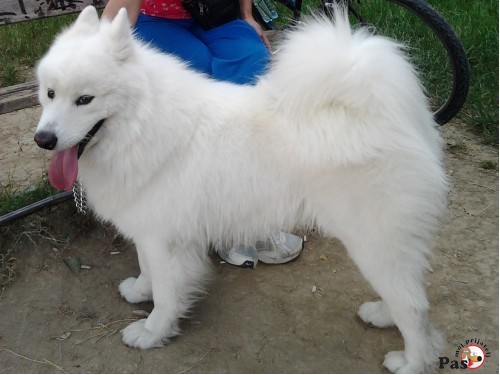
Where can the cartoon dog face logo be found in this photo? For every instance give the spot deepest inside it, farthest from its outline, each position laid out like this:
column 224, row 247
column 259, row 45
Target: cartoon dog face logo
column 474, row 355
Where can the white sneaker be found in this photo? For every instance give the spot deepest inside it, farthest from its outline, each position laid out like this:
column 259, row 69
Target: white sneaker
column 280, row 248
column 240, row 255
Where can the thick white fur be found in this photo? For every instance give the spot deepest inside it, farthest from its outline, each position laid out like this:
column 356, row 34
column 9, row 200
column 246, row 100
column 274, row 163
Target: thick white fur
column 337, row 135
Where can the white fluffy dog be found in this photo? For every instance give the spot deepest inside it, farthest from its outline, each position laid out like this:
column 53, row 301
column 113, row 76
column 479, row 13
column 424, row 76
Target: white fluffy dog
column 337, row 134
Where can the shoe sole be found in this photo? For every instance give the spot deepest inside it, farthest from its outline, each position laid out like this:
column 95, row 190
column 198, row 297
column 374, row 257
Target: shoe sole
column 267, row 260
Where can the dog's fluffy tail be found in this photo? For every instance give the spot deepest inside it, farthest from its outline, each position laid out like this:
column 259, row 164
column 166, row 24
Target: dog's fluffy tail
column 350, row 83
column 328, row 63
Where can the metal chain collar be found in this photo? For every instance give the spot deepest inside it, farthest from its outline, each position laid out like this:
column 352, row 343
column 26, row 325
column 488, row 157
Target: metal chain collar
column 80, row 198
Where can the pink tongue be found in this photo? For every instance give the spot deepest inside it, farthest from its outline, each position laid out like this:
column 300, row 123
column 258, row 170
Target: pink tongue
column 63, row 168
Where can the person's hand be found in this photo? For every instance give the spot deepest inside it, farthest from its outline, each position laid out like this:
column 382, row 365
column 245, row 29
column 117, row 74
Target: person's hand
column 259, row 30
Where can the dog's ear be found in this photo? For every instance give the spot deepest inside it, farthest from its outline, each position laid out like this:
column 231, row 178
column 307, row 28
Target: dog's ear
column 86, row 24
column 120, row 36
column 87, row 21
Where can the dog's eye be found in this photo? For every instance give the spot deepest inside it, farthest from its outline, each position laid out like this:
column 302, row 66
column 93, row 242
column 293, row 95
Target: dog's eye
column 51, row 94
column 84, row 100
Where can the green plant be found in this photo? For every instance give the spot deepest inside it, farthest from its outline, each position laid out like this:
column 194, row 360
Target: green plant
column 476, row 23
column 489, row 164
column 23, row 44
column 13, row 198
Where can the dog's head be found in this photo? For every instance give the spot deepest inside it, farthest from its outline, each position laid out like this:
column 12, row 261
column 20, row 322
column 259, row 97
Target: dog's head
column 79, row 88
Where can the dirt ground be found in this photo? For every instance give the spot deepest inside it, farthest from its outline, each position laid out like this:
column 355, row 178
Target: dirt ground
column 266, row 320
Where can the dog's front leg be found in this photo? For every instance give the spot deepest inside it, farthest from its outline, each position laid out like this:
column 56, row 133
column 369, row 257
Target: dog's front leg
column 139, row 289
column 177, row 273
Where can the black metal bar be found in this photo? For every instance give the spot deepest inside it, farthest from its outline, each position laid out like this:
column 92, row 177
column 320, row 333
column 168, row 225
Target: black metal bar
column 34, row 207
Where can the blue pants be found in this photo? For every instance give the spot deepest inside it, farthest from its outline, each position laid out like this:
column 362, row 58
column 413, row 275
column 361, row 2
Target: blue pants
column 231, row 52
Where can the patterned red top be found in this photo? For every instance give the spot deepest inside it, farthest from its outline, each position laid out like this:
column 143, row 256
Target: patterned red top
column 164, row 8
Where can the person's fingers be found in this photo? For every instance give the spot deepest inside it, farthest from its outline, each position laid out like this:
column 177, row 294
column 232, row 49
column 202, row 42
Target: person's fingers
column 259, row 31
column 266, row 41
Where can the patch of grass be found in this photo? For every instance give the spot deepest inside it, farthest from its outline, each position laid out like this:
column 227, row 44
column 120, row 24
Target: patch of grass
column 12, row 198
column 459, row 147
column 489, row 164
column 31, row 229
column 7, row 267
column 23, row 44
column 476, row 23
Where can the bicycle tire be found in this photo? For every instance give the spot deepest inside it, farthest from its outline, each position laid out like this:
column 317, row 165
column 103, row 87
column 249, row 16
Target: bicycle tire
column 457, row 56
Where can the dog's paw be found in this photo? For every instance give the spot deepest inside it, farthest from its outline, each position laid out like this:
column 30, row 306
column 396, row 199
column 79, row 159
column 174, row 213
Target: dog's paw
column 133, row 292
column 396, row 363
column 136, row 335
column 376, row 313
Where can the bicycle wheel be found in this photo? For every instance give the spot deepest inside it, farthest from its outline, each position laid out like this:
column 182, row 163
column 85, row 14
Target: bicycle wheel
column 432, row 44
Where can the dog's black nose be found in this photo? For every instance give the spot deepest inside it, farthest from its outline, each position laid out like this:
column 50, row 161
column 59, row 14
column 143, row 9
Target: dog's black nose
column 479, row 358
column 47, row 140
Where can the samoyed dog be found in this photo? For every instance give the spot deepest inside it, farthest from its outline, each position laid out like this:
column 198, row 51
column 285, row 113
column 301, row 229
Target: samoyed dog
column 336, row 135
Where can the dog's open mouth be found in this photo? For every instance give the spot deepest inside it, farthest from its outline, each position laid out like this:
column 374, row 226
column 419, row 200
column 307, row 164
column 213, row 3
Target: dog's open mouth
column 63, row 168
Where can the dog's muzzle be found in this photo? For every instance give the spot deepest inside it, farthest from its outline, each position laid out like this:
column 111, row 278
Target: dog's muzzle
column 48, row 140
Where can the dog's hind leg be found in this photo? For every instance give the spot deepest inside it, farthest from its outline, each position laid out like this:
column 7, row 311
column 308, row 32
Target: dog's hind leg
column 177, row 276
column 394, row 263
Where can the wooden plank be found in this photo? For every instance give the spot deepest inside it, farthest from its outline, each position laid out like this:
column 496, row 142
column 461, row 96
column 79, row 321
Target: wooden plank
column 12, row 11
column 17, row 97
